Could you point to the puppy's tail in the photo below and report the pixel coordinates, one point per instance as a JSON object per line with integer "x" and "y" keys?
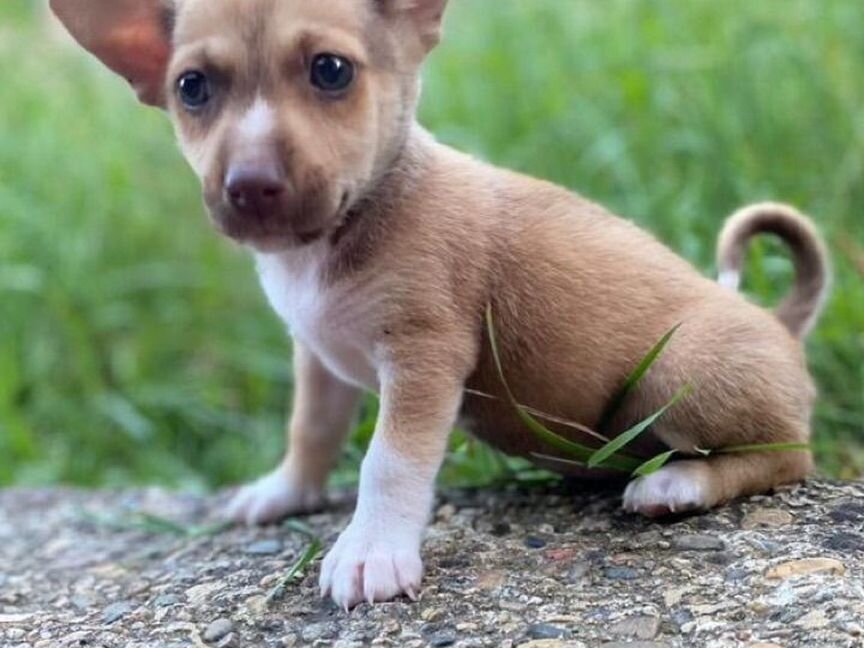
{"x": 800, "y": 310}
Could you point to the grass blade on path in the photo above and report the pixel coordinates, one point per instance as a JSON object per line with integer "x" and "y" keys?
{"x": 625, "y": 438}
{"x": 654, "y": 464}
{"x": 635, "y": 377}
{"x": 573, "y": 448}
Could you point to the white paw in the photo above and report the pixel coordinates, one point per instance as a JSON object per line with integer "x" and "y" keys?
{"x": 670, "y": 490}
{"x": 371, "y": 566}
{"x": 272, "y": 498}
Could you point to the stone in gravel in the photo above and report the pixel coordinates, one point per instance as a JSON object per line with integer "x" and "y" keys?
{"x": 491, "y": 580}
{"x": 547, "y": 631}
{"x": 500, "y": 529}
{"x": 199, "y": 594}
{"x": 82, "y": 601}
{"x": 813, "y": 621}
{"x": 432, "y": 614}
{"x": 552, "y": 643}
{"x": 217, "y": 630}
{"x": 116, "y": 611}
{"x": 847, "y": 512}
{"x": 315, "y": 631}
{"x": 635, "y": 644}
{"x": 166, "y": 600}
{"x": 578, "y": 572}
{"x": 264, "y": 548}
{"x": 442, "y": 638}
{"x": 533, "y": 542}
{"x": 845, "y": 542}
{"x": 672, "y": 597}
{"x": 806, "y": 566}
{"x": 641, "y": 627}
{"x": 721, "y": 558}
{"x": 698, "y": 542}
{"x": 682, "y": 617}
{"x": 767, "y": 517}
{"x": 621, "y": 573}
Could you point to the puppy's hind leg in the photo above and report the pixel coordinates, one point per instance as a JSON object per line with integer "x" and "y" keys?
{"x": 700, "y": 484}
{"x": 323, "y": 410}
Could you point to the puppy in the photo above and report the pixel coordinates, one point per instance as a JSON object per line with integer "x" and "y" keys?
{"x": 381, "y": 249}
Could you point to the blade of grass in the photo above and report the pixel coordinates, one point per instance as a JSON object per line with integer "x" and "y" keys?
{"x": 765, "y": 447}
{"x": 154, "y": 524}
{"x": 549, "y": 437}
{"x": 653, "y": 465}
{"x": 296, "y": 571}
{"x": 302, "y": 528}
{"x": 636, "y": 376}
{"x": 608, "y": 451}
{"x": 546, "y": 417}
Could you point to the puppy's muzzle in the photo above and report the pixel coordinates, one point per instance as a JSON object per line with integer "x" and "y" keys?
{"x": 257, "y": 189}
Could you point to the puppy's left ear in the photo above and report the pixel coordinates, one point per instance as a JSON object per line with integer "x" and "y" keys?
{"x": 427, "y": 17}
{"x": 131, "y": 37}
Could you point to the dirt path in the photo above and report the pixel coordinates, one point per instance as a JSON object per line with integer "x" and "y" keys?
{"x": 504, "y": 569}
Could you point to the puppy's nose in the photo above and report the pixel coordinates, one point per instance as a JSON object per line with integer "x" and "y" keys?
{"x": 255, "y": 189}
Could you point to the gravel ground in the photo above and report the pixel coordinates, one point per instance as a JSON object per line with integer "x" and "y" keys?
{"x": 538, "y": 569}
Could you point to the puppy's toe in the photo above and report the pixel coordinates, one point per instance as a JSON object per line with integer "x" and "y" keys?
{"x": 271, "y": 499}
{"x": 372, "y": 569}
{"x": 671, "y": 490}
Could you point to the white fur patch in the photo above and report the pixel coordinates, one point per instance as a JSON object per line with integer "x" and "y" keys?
{"x": 378, "y": 556}
{"x": 730, "y": 279}
{"x": 331, "y": 322}
{"x": 258, "y": 122}
{"x": 669, "y": 490}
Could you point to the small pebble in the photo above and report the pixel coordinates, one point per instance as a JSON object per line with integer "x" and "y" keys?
{"x": 443, "y": 638}
{"x": 533, "y": 542}
{"x": 546, "y": 631}
{"x": 641, "y": 627}
{"x": 698, "y": 543}
{"x": 766, "y": 517}
{"x": 116, "y": 611}
{"x": 621, "y": 573}
{"x": 500, "y": 529}
{"x": 218, "y": 629}
{"x": 264, "y": 548}
{"x": 166, "y": 600}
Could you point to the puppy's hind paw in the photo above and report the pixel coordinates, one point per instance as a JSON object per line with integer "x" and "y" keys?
{"x": 272, "y": 498}
{"x": 675, "y": 489}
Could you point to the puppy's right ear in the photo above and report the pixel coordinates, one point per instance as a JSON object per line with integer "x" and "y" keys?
{"x": 131, "y": 37}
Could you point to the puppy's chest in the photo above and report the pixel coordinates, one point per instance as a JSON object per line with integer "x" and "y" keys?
{"x": 331, "y": 321}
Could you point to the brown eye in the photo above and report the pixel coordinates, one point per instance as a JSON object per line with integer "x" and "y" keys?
{"x": 331, "y": 73}
{"x": 193, "y": 88}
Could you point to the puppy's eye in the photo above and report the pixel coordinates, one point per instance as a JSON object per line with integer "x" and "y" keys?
{"x": 331, "y": 73}
{"x": 193, "y": 88}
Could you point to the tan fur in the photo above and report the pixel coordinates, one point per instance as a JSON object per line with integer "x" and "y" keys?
{"x": 405, "y": 243}
{"x": 801, "y": 309}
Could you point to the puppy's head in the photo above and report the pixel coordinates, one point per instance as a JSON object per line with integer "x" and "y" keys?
{"x": 288, "y": 110}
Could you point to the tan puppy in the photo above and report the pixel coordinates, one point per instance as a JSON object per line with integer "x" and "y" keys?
{"x": 381, "y": 249}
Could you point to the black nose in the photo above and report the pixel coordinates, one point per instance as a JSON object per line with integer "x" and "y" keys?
{"x": 255, "y": 189}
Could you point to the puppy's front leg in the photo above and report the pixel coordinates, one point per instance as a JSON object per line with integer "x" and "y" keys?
{"x": 378, "y": 556}
{"x": 321, "y": 418}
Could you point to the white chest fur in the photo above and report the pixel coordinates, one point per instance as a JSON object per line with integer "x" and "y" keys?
{"x": 328, "y": 320}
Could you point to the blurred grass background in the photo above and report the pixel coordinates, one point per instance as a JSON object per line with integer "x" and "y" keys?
{"x": 135, "y": 345}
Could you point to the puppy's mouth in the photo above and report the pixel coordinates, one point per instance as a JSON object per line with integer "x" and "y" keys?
{"x": 279, "y": 230}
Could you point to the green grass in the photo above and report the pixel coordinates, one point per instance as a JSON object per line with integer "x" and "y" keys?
{"x": 136, "y": 347}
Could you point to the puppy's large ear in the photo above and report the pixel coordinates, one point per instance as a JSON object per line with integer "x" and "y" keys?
{"x": 427, "y": 17}
{"x": 131, "y": 37}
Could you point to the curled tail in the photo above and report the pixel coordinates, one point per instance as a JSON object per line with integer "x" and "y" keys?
{"x": 800, "y": 310}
